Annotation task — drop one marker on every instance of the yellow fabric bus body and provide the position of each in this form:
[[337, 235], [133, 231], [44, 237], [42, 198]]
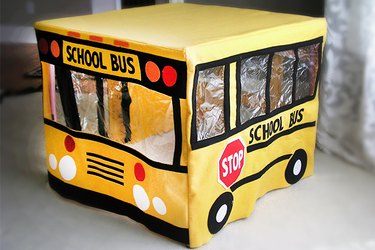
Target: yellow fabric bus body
[[194, 189]]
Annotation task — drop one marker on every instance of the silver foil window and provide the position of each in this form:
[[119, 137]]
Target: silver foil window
[[253, 85], [57, 111], [128, 113], [307, 70], [87, 100], [281, 85], [60, 118], [210, 103]]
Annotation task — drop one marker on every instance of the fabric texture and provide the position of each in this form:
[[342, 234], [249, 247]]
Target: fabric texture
[[347, 108], [214, 175]]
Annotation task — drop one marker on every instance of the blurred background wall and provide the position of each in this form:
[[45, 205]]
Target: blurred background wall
[[311, 8], [18, 16]]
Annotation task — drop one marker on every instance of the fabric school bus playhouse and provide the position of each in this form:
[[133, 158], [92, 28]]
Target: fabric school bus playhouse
[[179, 116]]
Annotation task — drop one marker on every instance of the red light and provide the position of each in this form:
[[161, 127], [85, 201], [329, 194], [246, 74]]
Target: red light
[[139, 172], [69, 143], [169, 76], [43, 46]]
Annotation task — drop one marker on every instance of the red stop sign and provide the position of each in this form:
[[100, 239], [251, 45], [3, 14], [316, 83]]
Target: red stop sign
[[231, 162]]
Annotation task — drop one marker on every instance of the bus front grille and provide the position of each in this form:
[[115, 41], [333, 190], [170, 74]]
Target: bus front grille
[[105, 168]]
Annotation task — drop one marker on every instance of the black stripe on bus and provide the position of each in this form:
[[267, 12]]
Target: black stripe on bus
[[68, 101], [239, 92], [268, 83], [258, 175], [320, 53], [78, 134], [100, 108], [281, 134], [108, 203], [193, 130], [177, 131], [105, 165], [125, 109], [105, 177], [226, 97], [295, 69], [105, 158], [104, 171]]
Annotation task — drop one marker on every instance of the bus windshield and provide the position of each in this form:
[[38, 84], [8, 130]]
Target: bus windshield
[[125, 112]]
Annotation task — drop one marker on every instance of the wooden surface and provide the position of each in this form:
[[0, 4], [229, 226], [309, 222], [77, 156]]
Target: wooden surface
[[16, 61]]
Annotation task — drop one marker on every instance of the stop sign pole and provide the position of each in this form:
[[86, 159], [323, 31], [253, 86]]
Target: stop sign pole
[[231, 162]]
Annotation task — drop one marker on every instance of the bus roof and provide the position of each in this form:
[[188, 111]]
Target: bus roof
[[170, 29]]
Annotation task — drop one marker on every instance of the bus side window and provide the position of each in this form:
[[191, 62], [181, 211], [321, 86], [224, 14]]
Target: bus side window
[[113, 111], [87, 100], [210, 103], [307, 70], [60, 118], [281, 84], [253, 87]]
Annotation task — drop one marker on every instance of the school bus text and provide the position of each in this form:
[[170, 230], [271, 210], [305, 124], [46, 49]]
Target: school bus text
[[101, 60], [263, 132]]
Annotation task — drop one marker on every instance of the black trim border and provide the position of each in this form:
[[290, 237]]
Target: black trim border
[[111, 204], [226, 97], [68, 99], [268, 83], [177, 90], [105, 158], [254, 147], [103, 176], [105, 165], [100, 107], [177, 131], [258, 175]]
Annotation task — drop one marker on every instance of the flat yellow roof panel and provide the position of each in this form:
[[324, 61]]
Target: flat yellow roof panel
[[173, 26]]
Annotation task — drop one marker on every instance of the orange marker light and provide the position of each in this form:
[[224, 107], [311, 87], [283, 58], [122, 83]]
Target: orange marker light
[[152, 71], [121, 43], [74, 34], [96, 38], [55, 49]]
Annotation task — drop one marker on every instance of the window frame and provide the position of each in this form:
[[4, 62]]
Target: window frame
[[71, 111], [195, 144], [271, 51], [226, 104]]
